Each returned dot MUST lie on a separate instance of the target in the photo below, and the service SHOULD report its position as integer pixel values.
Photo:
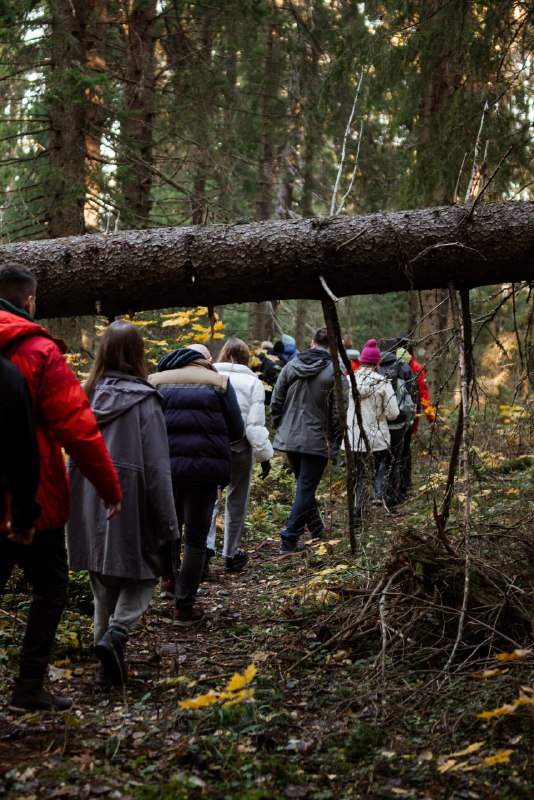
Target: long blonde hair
(121, 349)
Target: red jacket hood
(13, 327)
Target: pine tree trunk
(66, 180)
(442, 62)
(204, 265)
(137, 125)
(65, 190)
(260, 313)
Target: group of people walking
(148, 456)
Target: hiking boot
(102, 679)
(237, 561)
(167, 588)
(188, 617)
(292, 546)
(30, 695)
(110, 652)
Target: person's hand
(265, 469)
(113, 510)
(20, 535)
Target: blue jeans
(304, 512)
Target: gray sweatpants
(237, 497)
(119, 601)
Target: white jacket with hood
(251, 398)
(378, 405)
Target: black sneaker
(189, 617)
(292, 546)
(237, 561)
(30, 695)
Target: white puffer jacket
(251, 398)
(378, 405)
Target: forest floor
(352, 697)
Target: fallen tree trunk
(208, 265)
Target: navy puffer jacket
(202, 417)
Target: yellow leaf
(472, 748)
(451, 765)
(201, 701)
(508, 708)
(500, 757)
(514, 656)
(489, 673)
(239, 697)
(238, 681)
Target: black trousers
(194, 501)
(44, 564)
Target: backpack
(403, 388)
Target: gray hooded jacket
(129, 415)
(303, 405)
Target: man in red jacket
(63, 419)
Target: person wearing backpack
(378, 406)
(389, 479)
(304, 411)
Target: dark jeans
(369, 472)
(194, 501)
(304, 512)
(391, 469)
(44, 564)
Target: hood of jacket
(116, 394)
(388, 359)
(311, 362)
(17, 324)
(179, 358)
(227, 368)
(368, 381)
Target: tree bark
(65, 189)
(213, 265)
(137, 125)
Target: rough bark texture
(137, 126)
(65, 190)
(219, 264)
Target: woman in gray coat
(123, 554)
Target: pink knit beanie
(370, 353)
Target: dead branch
(464, 386)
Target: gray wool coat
(129, 415)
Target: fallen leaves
(234, 692)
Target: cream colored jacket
(378, 405)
